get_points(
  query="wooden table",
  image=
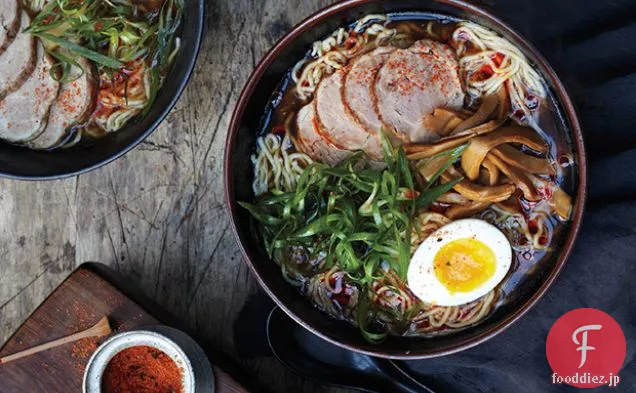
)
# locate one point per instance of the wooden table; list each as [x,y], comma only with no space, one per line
[158,214]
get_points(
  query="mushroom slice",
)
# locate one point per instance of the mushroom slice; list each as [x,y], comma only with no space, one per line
[488,106]
[479,147]
[518,159]
[467,210]
[453,198]
[561,203]
[442,121]
[417,151]
[559,200]
[477,192]
[457,212]
[518,177]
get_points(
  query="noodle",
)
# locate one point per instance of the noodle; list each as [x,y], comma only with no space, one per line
[275,167]
[433,318]
[334,52]
[121,100]
[425,224]
[498,56]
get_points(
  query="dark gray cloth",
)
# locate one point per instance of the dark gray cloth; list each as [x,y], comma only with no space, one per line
[592,47]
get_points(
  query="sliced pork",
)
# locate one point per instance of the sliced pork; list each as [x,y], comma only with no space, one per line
[412,83]
[358,92]
[9,22]
[73,106]
[24,112]
[312,143]
[18,61]
[337,125]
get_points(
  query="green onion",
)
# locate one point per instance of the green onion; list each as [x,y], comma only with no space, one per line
[359,218]
[82,51]
[65,64]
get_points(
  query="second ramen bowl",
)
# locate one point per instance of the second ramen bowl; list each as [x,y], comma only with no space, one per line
[238,175]
[26,164]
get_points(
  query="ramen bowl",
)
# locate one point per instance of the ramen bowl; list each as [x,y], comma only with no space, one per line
[26,164]
[244,128]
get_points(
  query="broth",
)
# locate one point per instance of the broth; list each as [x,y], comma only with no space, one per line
[534,245]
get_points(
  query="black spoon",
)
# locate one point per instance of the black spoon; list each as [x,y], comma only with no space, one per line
[320,361]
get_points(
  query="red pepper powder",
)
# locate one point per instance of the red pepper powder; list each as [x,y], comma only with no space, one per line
[142,369]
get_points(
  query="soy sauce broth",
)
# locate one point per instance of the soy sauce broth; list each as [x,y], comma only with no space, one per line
[526,270]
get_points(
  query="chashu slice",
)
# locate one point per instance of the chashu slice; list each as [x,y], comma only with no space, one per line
[9,22]
[73,106]
[18,61]
[310,141]
[24,113]
[358,87]
[337,125]
[412,83]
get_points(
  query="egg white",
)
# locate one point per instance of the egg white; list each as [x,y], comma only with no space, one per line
[421,273]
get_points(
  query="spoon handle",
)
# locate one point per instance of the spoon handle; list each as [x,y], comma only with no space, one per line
[97,330]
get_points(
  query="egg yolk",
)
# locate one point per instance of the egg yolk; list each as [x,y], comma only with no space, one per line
[464,265]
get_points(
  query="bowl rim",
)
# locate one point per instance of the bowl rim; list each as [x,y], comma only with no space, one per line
[577,142]
[96,366]
[198,39]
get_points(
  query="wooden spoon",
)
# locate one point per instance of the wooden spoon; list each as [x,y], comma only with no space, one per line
[100,329]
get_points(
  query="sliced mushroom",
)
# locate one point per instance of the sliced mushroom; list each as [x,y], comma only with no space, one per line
[428,168]
[467,210]
[518,177]
[503,110]
[561,203]
[559,200]
[418,151]
[518,159]
[481,129]
[492,173]
[456,212]
[477,192]
[442,121]
[488,106]
[453,198]
[479,147]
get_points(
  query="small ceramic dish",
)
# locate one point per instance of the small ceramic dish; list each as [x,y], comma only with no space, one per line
[197,375]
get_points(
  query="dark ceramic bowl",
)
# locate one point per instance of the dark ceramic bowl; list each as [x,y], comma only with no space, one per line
[238,176]
[21,163]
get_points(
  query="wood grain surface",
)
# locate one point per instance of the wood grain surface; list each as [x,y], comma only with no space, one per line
[79,302]
[157,215]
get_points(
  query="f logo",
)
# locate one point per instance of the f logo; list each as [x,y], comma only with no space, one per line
[584,347]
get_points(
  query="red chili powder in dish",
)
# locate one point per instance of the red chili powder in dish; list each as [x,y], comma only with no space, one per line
[142,369]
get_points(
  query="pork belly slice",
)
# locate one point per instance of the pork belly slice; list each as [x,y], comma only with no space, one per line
[73,106]
[412,83]
[358,88]
[312,143]
[24,113]
[337,125]
[9,22]
[18,61]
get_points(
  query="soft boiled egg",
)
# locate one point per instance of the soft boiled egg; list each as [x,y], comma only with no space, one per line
[459,263]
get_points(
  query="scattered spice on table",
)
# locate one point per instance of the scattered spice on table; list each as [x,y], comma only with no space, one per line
[142,369]
[83,316]
[84,348]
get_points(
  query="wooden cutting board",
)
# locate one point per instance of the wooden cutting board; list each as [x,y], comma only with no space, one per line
[91,292]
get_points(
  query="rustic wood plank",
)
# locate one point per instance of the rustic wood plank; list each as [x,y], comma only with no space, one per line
[157,215]
[78,303]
